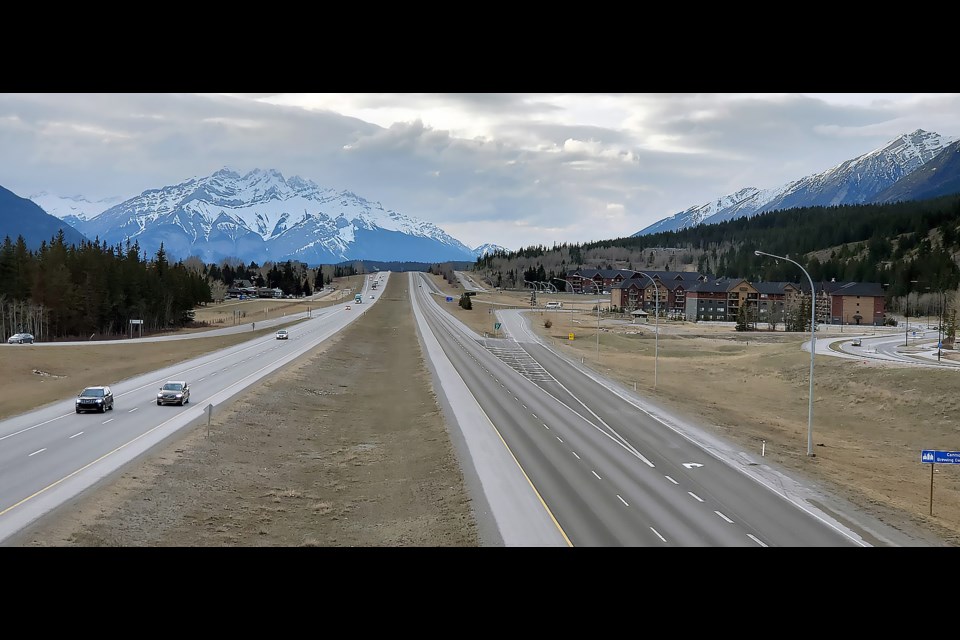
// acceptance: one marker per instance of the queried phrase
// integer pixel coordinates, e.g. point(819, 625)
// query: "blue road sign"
point(940, 457)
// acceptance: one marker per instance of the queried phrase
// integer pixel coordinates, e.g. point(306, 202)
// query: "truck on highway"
point(358, 298)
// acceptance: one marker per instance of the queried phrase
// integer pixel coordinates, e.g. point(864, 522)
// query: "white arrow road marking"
point(691, 465)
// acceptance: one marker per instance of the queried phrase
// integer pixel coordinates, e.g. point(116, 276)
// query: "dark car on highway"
point(174, 392)
point(95, 399)
point(20, 338)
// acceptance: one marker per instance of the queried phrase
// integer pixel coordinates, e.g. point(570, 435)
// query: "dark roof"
point(716, 286)
point(845, 288)
point(859, 289)
point(772, 287)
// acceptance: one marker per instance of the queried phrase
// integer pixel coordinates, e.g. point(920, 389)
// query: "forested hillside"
point(893, 244)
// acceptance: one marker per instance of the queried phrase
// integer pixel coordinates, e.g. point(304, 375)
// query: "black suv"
point(95, 399)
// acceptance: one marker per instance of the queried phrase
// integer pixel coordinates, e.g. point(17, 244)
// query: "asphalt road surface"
point(564, 459)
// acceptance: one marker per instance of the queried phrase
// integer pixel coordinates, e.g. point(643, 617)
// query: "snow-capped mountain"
point(486, 249)
point(23, 217)
point(73, 209)
point(856, 181)
point(938, 177)
point(262, 216)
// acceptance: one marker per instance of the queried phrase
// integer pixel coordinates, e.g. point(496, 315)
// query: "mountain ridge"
point(856, 181)
point(260, 215)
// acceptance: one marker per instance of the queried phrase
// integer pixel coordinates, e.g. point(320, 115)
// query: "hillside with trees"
point(907, 246)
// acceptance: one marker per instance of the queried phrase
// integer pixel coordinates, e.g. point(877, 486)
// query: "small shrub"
point(547, 324)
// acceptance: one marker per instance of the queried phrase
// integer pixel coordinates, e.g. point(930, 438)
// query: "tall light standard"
point(813, 344)
point(599, 290)
point(656, 327)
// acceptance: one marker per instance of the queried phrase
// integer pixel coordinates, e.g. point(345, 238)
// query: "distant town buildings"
point(688, 295)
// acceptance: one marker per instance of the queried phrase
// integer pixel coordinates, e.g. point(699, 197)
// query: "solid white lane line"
point(595, 473)
point(575, 453)
point(658, 534)
point(77, 434)
point(622, 500)
point(754, 538)
point(37, 451)
point(671, 479)
point(695, 496)
point(724, 517)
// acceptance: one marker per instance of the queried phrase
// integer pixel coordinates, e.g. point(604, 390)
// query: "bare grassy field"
point(870, 419)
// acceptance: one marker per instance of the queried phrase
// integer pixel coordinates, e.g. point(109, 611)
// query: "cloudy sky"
point(510, 169)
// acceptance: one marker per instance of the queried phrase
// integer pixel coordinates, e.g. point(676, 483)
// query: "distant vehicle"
point(358, 298)
point(243, 297)
point(95, 399)
point(857, 342)
point(348, 307)
point(282, 334)
point(20, 338)
point(174, 392)
point(372, 297)
point(554, 305)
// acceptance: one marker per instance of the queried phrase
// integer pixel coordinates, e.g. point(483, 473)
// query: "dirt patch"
point(324, 453)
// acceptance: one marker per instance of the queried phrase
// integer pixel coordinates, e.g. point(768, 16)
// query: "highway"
point(50, 455)
point(563, 458)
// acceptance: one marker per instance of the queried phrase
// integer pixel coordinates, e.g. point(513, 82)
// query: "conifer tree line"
point(910, 247)
point(62, 291)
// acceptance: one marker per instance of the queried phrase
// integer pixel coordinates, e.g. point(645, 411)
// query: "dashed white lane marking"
point(575, 453)
point(724, 517)
point(658, 534)
point(545, 426)
point(754, 538)
point(106, 421)
point(132, 410)
point(622, 500)
point(37, 451)
point(595, 473)
point(671, 479)
point(695, 496)
point(559, 438)
point(77, 434)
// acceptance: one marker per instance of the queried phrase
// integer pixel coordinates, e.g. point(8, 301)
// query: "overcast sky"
point(510, 169)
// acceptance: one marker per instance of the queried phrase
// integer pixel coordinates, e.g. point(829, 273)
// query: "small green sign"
point(496, 326)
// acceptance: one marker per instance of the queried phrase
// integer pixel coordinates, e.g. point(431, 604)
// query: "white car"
point(282, 334)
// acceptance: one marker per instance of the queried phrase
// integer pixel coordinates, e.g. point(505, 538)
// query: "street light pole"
point(656, 328)
point(813, 344)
